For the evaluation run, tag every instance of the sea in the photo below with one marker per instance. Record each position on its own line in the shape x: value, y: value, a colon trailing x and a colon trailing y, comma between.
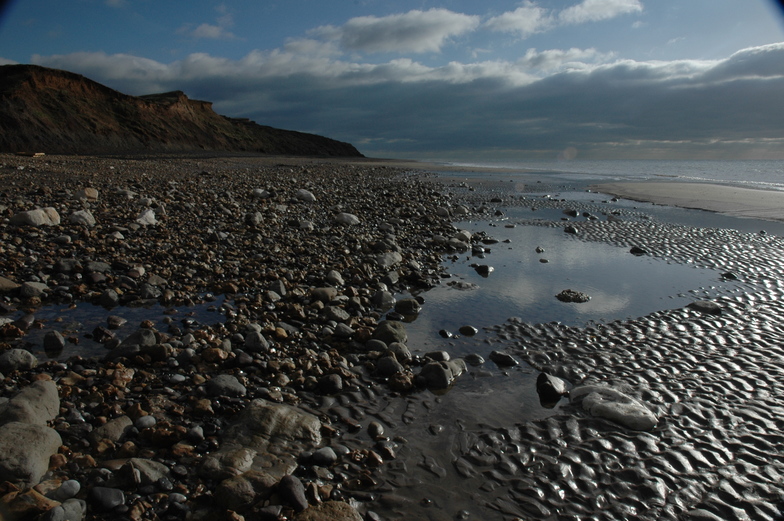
x: 758, y: 174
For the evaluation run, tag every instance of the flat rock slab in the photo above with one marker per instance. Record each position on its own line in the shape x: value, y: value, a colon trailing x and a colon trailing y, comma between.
x: 268, y: 437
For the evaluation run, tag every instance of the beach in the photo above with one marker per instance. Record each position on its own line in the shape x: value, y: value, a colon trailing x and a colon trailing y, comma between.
x: 269, y: 372
x: 730, y: 200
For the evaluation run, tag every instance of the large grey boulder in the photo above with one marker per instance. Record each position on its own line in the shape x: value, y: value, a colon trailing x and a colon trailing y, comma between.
x: 38, y: 217
x: 25, y: 449
x: 612, y: 404
x: 17, y: 360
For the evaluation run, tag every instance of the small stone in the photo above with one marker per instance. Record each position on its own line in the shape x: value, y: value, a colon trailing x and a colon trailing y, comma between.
x: 330, y: 384
x: 225, y: 385
x: 305, y: 195
x: 147, y: 217
x: 408, y: 307
x: 38, y: 217
x: 347, y: 219
x: 66, y: 490
x: 325, y: 457
x: 503, y: 359
x: 334, y: 278
x: 484, y: 270
x: 440, y: 375
x: 468, y: 330
x: 82, y: 217
x: 89, y: 193
x: 53, y: 342
x: 104, y: 499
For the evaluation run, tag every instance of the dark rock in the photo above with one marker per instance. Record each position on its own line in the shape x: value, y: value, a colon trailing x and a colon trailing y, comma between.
x: 408, y: 307
x: 388, y: 365
x: 330, y: 384
x: 468, y: 330
x: 390, y: 331
x: 484, y: 270
x: 325, y: 457
x: 636, y: 250
x: 292, y: 491
x: 440, y: 375
x: 550, y: 389
x: 503, y: 359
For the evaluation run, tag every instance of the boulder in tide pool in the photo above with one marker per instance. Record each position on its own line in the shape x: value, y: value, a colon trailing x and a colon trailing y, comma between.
x: 610, y: 403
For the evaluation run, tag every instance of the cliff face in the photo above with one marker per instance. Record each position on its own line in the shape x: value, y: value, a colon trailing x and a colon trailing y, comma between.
x: 54, y: 111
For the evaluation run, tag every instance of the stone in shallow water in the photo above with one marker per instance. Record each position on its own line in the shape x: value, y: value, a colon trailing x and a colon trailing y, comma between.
x: 570, y: 295
x: 440, y: 375
x: 705, y: 306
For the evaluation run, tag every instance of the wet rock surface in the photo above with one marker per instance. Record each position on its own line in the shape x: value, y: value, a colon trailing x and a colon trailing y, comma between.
x: 306, y: 401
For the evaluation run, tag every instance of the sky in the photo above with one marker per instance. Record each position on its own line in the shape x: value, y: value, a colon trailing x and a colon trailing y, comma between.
x: 444, y: 80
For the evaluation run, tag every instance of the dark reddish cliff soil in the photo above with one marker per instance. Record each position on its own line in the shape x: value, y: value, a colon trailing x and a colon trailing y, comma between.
x: 55, y: 111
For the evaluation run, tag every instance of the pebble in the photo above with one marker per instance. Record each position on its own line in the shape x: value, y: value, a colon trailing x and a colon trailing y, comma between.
x: 105, y: 499
x: 685, y: 365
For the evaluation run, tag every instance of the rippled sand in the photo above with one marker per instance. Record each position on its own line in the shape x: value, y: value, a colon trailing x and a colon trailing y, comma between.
x: 715, y: 381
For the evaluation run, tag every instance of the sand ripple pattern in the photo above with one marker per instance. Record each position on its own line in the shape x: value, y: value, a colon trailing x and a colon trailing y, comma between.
x: 716, y: 382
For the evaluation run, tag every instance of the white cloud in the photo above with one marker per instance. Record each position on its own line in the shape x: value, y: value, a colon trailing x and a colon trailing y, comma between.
x: 530, y: 18
x: 525, y: 20
x: 217, y: 31
x: 414, y: 31
x: 595, y: 10
x: 555, y: 59
x: 574, y: 97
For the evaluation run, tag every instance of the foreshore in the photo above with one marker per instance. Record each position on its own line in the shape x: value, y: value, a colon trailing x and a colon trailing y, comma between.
x: 306, y: 400
x: 729, y: 200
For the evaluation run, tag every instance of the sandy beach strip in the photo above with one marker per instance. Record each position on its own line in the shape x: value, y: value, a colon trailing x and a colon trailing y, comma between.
x: 730, y: 200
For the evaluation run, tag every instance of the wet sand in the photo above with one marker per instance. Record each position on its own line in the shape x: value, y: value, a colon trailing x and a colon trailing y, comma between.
x: 730, y: 200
